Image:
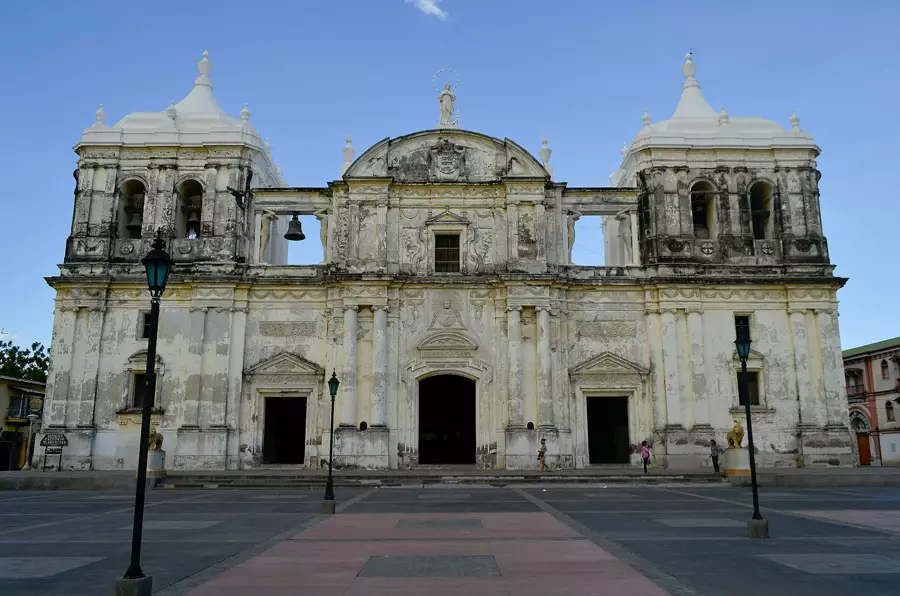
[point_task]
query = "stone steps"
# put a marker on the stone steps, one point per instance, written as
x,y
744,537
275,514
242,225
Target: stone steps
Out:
x,y
186,480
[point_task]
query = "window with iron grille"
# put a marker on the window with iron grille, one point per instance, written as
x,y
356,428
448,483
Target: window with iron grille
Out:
x,y
446,253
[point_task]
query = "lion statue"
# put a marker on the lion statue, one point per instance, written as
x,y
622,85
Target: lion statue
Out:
x,y
156,439
735,437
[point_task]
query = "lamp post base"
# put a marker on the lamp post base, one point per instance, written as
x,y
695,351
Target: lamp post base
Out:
x,y
758,529
328,506
139,586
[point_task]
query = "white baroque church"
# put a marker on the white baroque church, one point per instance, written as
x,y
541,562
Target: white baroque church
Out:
x,y
447,301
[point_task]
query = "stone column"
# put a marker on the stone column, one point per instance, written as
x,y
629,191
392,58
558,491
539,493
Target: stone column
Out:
x,y
654,347
379,366
809,414
698,368
670,366
832,367
92,351
381,234
540,230
83,200
208,202
108,216
235,375
353,239
516,402
635,243
190,404
348,380
545,368
512,230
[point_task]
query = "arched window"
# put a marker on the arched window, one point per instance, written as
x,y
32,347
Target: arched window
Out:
x,y
885,370
761,210
854,383
131,209
889,411
703,210
188,208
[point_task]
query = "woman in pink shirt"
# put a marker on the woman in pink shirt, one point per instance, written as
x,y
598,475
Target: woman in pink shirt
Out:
x,y
645,454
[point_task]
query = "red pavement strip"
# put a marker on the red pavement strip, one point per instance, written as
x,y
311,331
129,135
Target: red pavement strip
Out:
x,y
325,560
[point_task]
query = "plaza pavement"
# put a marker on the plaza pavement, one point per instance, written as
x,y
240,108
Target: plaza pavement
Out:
x,y
625,540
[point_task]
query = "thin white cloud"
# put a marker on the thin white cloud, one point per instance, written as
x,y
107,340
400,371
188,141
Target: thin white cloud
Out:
x,y
429,7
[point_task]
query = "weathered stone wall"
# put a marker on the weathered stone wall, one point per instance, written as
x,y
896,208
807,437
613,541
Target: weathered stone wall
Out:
x,y
538,336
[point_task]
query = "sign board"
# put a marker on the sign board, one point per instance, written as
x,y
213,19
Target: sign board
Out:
x,y
55,440
53,450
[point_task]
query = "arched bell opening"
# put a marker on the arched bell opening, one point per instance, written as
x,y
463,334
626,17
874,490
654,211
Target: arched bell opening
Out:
x,y
131,209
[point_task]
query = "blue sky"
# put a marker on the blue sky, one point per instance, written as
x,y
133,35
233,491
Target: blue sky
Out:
x,y
578,72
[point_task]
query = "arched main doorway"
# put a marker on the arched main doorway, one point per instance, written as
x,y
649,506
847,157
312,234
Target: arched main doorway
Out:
x,y
446,420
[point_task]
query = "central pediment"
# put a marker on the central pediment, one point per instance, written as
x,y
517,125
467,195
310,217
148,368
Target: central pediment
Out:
x,y
446,156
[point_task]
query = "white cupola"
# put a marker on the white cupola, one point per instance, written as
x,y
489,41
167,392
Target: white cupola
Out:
x,y
696,125
196,120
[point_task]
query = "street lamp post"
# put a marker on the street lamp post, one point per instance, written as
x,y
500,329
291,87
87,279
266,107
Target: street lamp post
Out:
x,y
328,503
158,265
757,526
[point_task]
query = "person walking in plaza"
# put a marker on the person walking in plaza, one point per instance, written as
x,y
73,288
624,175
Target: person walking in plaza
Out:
x,y
714,451
645,455
541,453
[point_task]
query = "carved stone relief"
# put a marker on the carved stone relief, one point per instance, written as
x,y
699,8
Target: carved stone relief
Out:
x,y
288,328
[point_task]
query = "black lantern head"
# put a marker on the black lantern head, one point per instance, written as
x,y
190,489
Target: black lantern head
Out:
x,y
333,383
742,337
295,230
158,265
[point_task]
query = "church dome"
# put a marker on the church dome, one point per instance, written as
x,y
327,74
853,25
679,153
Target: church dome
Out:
x,y
695,124
194,121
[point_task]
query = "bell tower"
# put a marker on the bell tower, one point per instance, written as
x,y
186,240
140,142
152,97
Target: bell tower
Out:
x,y
716,189
186,170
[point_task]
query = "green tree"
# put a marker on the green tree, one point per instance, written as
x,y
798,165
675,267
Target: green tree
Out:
x,y
25,363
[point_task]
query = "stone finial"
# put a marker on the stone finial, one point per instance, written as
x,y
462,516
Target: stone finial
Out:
x,y
795,121
171,112
100,115
545,153
268,146
349,153
624,150
689,67
204,66
723,117
646,119
612,176
245,114
278,171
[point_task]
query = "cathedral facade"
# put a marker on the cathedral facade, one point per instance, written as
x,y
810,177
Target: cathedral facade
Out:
x,y
447,302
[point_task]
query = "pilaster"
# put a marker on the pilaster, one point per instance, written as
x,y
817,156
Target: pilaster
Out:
x,y
516,402
348,385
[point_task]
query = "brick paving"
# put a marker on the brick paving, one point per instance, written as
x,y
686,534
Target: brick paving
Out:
x,y
534,553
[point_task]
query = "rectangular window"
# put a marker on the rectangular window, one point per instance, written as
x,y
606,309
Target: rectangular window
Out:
x,y
145,326
741,321
139,390
754,388
18,407
446,253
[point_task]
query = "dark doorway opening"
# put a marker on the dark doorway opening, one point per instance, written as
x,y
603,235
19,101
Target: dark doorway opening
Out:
x,y
284,436
446,420
607,427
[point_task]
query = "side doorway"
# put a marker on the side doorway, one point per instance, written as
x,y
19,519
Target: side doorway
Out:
x,y
607,430
284,433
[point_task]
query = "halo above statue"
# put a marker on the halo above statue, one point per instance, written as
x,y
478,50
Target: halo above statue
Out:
x,y
438,78
446,96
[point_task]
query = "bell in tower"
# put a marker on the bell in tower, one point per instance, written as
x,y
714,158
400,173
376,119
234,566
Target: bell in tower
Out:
x,y
295,230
